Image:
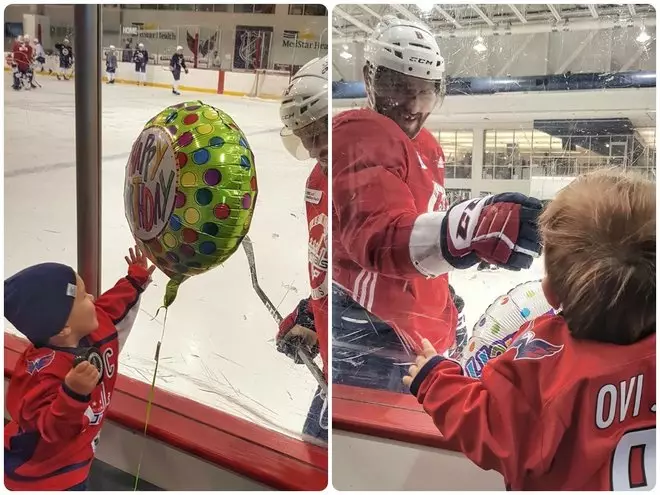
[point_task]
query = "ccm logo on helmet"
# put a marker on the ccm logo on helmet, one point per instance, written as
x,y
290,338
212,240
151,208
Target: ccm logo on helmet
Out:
x,y
421,61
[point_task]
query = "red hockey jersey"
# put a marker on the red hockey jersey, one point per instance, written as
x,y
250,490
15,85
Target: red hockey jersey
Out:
x,y
552,412
22,54
388,199
50,441
316,202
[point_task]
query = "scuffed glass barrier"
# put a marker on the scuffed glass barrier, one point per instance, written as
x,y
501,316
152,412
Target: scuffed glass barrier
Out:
x,y
219,348
530,104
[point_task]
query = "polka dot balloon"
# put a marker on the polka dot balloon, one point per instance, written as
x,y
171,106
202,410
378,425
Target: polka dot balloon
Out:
x,y
190,190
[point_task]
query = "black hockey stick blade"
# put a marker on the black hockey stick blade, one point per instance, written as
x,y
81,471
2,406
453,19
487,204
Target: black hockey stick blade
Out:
x,y
302,353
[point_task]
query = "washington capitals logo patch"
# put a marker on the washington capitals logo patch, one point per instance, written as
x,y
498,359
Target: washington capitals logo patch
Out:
x,y
529,347
36,365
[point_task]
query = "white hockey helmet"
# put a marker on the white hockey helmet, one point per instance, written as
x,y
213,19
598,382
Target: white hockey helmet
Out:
x,y
179,48
35,41
305,103
112,47
66,41
26,38
140,45
305,100
407,47
19,38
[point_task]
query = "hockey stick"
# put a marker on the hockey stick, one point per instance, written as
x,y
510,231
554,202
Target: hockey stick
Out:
x,y
302,353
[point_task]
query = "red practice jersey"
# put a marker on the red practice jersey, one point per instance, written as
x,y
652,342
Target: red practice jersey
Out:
x,y
316,202
388,204
51,438
22,56
552,412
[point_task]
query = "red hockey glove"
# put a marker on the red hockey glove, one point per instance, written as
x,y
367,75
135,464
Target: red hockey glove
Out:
x,y
500,229
297,330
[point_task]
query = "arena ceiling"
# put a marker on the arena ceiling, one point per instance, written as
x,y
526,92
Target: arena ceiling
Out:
x,y
355,22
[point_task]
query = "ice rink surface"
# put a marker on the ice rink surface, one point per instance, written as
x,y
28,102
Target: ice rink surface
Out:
x,y
219,342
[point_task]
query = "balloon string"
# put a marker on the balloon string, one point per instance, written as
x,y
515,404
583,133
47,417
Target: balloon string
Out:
x,y
152,393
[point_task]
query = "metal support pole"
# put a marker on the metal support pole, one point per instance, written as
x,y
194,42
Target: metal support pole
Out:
x,y
87,52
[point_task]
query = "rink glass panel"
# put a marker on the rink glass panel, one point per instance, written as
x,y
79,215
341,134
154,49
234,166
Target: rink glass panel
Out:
x,y
496,137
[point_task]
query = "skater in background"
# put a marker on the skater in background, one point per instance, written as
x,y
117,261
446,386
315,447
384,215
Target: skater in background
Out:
x,y
571,405
141,58
66,59
22,58
111,64
39,55
394,241
177,63
304,114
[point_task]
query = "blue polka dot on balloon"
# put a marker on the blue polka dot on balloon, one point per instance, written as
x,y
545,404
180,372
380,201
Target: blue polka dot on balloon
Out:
x,y
210,228
175,222
171,117
245,163
216,141
243,142
201,156
207,247
525,312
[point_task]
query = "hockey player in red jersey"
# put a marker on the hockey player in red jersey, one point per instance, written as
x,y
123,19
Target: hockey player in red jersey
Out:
x,y
393,243
571,404
22,54
63,383
304,114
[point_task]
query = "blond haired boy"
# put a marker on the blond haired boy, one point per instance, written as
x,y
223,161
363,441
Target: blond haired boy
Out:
x,y
571,405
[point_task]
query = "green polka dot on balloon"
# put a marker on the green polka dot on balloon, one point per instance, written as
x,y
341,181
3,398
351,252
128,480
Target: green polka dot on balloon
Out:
x,y
203,196
210,228
201,156
207,247
210,114
169,240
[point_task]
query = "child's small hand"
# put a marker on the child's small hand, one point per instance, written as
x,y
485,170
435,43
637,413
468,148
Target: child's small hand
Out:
x,y
427,353
83,378
137,257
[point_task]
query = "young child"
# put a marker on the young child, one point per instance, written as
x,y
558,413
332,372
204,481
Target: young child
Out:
x,y
571,404
63,382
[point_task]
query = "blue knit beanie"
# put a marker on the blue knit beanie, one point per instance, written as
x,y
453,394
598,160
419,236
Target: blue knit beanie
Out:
x,y
39,299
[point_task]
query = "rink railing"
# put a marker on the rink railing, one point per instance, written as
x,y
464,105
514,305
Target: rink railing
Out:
x,y
269,85
187,440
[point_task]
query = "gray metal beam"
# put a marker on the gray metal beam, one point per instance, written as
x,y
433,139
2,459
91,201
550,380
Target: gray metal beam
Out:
x,y
406,13
576,52
87,49
517,12
447,16
353,20
370,11
631,9
482,14
554,11
593,11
